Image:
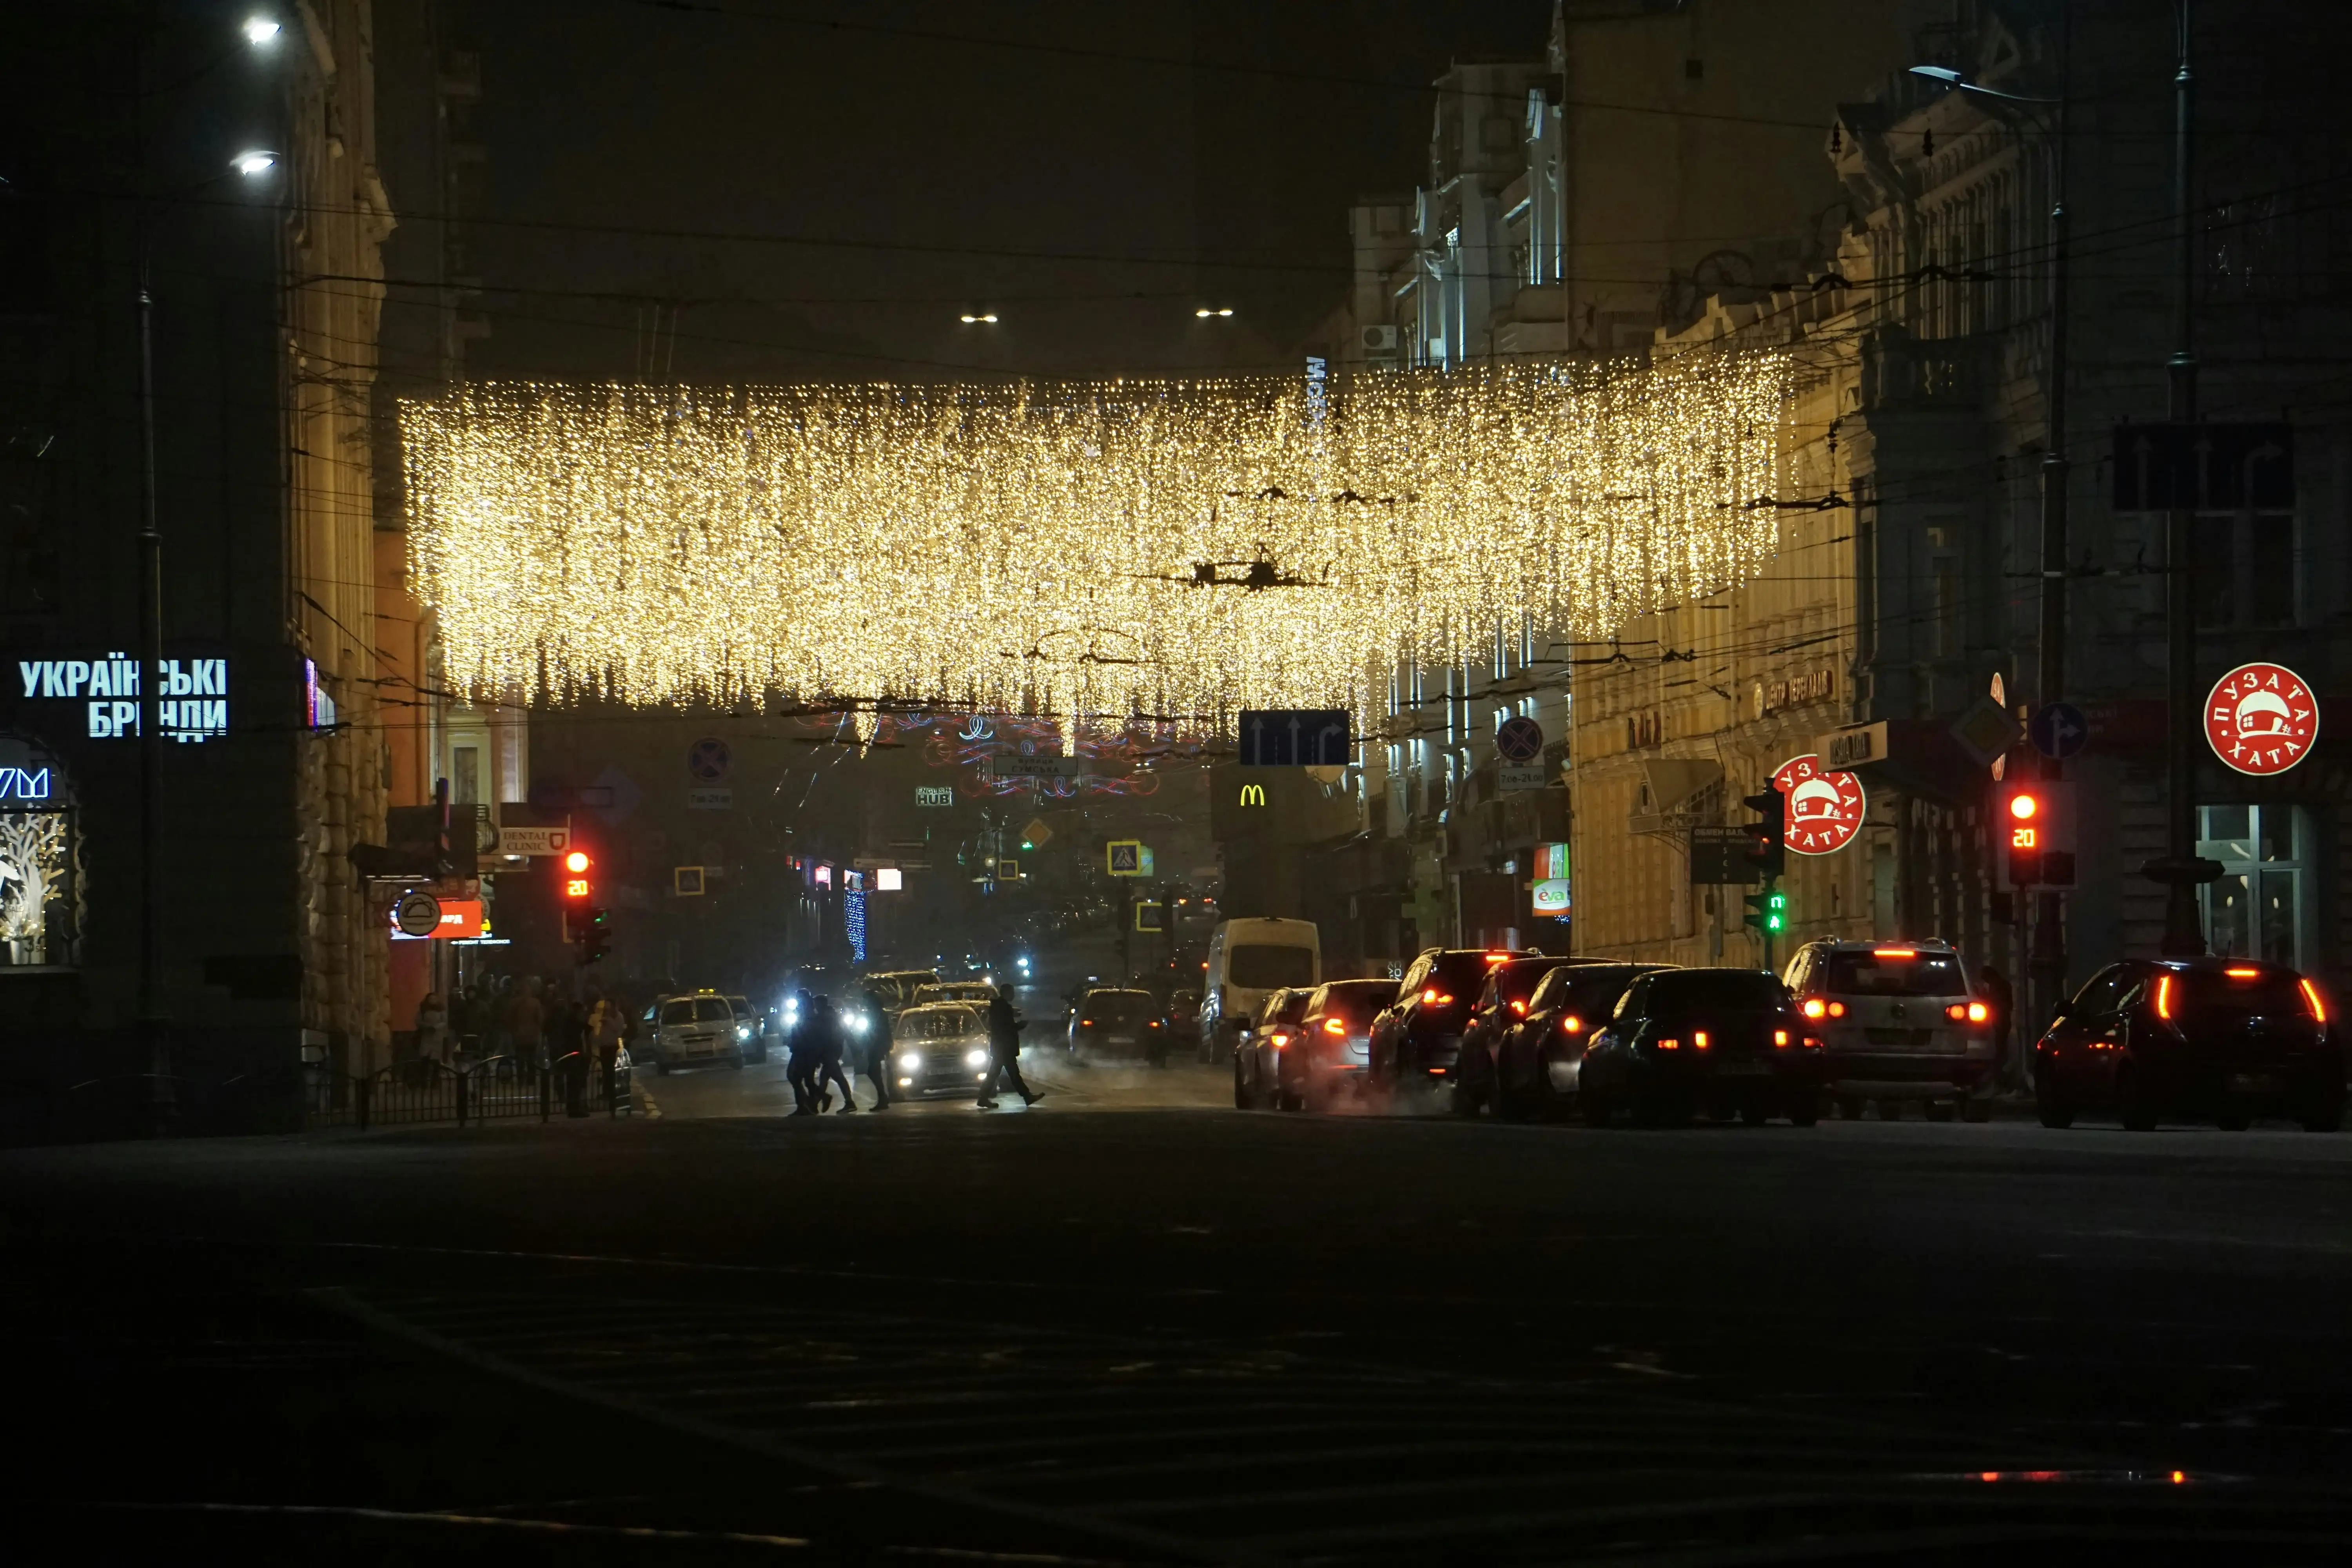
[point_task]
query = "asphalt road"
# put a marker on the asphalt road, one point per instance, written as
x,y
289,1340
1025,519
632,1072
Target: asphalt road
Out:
x,y
1134,1325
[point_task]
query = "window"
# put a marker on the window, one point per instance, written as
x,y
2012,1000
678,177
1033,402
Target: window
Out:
x,y
2262,907
465,774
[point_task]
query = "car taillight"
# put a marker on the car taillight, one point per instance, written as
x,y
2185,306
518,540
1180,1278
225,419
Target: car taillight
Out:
x,y
1334,1026
1780,1037
1434,994
1813,1043
1571,1025
1957,1012
1281,1039
1669,1045
1815,1007
2243,973
1698,1039
1837,1009
2164,997
1520,1008
1978,1012
2311,997
1086,1023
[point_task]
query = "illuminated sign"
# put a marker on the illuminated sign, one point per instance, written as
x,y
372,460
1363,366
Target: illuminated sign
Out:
x,y
317,704
1551,862
192,698
1549,895
1825,809
889,879
24,786
934,794
1253,794
2261,719
461,920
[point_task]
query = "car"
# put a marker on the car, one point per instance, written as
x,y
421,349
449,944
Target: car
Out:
x,y
1414,1041
1540,1056
692,1029
896,988
1114,1019
939,1047
1897,1024
1326,1061
1184,1017
1502,1002
1718,1040
1258,1050
1248,960
979,991
752,1028
2208,1039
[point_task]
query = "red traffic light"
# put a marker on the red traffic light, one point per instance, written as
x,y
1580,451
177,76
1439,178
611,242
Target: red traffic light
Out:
x,y
576,862
575,884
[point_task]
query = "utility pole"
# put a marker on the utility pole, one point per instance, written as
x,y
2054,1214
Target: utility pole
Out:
x,y
2184,926
161,1101
2047,967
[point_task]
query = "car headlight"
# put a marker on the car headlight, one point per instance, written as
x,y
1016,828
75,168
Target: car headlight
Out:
x,y
857,1023
910,1061
742,1031
976,1059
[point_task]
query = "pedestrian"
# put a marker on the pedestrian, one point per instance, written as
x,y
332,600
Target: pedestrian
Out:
x,y
1004,1027
874,1048
432,1029
2001,1002
803,1054
831,1050
567,1045
527,1024
605,1035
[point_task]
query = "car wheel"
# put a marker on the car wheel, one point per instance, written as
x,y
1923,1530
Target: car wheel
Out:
x,y
1804,1106
2325,1116
2050,1105
1849,1106
1976,1110
2234,1118
1752,1112
1890,1110
2133,1105
1594,1107
1939,1110
1288,1100
1242,1097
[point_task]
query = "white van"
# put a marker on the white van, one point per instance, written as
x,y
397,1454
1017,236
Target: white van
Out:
x,y
1248,962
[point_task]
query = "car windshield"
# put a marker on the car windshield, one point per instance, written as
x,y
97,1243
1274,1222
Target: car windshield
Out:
x,y
1358,999
1261,966
1732,990
1895,972
2244,990
1517,981
938,1024
1590,992
696,1010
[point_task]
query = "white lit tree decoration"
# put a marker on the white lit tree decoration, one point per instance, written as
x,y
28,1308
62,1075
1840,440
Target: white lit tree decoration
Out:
x,y
1036,548
32,857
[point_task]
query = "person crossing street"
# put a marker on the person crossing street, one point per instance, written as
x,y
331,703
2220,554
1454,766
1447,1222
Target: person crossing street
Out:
x,y
1004,1027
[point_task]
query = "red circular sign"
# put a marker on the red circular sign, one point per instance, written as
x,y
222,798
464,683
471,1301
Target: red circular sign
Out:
x,y
1825,810
2261,717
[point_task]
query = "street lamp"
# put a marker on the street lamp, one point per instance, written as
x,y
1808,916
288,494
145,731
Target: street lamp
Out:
x,y
987,318
1204,313
261,31
254,163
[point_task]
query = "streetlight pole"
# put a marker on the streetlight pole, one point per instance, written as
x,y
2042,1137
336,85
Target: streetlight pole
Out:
x,y
2184,926
158,1050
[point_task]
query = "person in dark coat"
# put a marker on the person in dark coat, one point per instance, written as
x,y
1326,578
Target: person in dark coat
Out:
x,y
803,1053
874,1048
1004,1027
833,1048
1992,986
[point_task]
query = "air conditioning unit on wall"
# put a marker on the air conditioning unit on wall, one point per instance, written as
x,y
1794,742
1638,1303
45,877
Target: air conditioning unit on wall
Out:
x,y
1379,340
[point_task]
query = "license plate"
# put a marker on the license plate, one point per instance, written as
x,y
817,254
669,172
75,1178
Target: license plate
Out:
x,y
1743,1070
2253,1082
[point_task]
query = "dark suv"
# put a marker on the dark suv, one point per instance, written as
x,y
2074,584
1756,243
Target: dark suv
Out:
x,y
1415,1040
1718,1040
2218,1039
1540,1056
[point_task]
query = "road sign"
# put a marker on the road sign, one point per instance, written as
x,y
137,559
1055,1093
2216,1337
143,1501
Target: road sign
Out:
x,y
2207,467
1034,835
708,759
1825,810
1148,915
417,914
1126,855
534,840
2059,731
721,799
1985,731
2262,719
1008,871
1508,778
1520,740
1016,767
1293,737
934,794
1720,855
687,881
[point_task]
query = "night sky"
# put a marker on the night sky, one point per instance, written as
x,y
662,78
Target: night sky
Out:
x,y
1091,171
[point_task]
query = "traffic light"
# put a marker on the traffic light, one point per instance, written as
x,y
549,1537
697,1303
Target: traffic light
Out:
x,y
1770,831
1767,912
595,935
575,888
2035,820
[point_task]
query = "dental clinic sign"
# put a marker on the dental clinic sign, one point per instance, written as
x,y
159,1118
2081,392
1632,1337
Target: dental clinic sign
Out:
x,y
192,701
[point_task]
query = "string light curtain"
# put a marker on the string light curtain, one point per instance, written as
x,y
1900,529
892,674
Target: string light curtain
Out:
x,y
1031,549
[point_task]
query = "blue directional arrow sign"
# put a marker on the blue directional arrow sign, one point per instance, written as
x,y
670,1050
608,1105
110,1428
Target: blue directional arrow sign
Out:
x,y
1293,737
2059,731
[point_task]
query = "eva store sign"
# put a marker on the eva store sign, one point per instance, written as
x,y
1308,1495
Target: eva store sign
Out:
x,y
193,696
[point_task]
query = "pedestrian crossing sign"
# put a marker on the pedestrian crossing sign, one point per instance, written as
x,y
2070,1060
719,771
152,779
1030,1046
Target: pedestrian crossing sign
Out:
x,y
1126,857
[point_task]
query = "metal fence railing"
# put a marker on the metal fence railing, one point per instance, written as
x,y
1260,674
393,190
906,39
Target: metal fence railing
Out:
x,y
492,1089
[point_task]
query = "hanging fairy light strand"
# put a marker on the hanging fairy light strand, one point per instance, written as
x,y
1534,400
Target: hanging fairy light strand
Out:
x,y
1091,550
